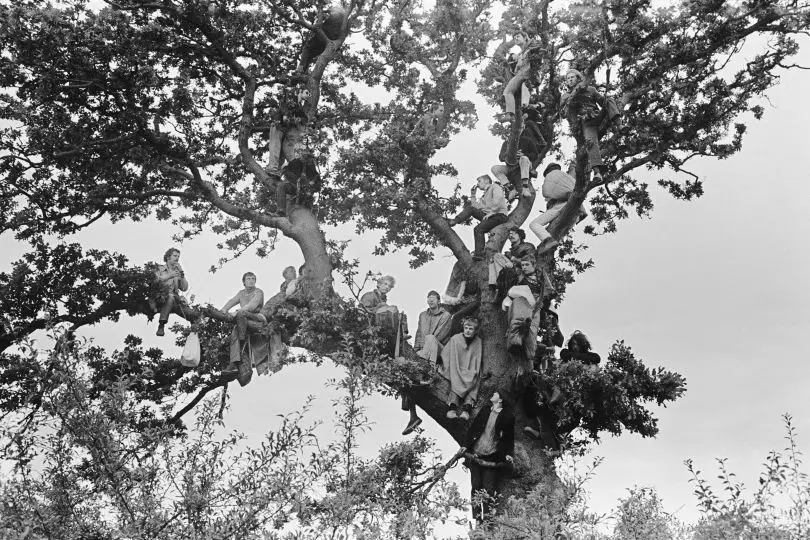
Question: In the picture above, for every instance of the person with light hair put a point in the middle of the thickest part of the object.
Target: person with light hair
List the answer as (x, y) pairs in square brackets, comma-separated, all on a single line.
[(586, 110)]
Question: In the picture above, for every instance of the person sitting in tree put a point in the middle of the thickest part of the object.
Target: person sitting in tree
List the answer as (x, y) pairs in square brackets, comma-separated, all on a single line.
[(490, 210), (299, 183), (250, 301), (489, 448), (525, 303), (461, 366), (462, 297), (586, 111), (172, 280), (557, 188), (505, 268), (387, 317), (579, 348), (432, 333), (530, 147)]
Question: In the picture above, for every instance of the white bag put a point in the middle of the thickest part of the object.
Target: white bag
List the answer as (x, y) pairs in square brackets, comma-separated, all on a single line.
[(191, 351)]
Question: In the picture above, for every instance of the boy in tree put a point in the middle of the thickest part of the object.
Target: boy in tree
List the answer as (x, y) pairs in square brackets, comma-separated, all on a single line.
[(173, 279), (490, 210), (461, 365), (432, 333), (250, 301)]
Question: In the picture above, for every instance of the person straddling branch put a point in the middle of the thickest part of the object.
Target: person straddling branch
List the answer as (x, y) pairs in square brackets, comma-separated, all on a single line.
[(586, 111), (489, 448), (557, 188), (394, 323), (250, 301), (490, 210), (530, 148), (172, 280), (525, 302), (461, 366), (432, 333)]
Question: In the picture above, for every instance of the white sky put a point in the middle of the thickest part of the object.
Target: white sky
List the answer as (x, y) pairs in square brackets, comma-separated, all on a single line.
[(715, 289)]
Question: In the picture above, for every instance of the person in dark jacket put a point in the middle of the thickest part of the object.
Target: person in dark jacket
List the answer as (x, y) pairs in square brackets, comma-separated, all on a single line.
[(531, 147), (586, 111), (579, 348), (489, 448)]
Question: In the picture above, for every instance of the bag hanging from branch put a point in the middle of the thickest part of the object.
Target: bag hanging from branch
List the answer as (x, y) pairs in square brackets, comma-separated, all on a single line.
[(191, 351)]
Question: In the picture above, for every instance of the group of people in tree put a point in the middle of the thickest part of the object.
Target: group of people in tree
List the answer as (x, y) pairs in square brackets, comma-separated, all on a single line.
[(447, 341), (248, 348), (446, 338)]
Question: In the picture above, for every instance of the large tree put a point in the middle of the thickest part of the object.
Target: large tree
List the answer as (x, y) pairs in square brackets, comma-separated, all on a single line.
[(129, 109)]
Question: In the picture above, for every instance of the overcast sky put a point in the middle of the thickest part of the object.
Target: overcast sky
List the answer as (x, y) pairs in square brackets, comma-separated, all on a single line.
[(715, 289)]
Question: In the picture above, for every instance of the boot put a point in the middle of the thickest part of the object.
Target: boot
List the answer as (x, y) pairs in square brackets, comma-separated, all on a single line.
[(161, 331)]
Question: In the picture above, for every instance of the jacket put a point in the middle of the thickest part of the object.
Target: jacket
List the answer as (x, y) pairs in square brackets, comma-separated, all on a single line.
[(493, 201), (504, 431)]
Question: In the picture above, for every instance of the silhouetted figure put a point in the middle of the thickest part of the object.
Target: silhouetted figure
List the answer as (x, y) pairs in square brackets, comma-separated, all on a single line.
[(489, 448)]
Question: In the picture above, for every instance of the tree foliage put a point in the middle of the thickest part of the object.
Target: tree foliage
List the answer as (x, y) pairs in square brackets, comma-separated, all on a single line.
[(139, 109)]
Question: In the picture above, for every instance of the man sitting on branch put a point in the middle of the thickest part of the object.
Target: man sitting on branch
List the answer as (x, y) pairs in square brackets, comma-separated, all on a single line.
[(490, 210), (432, 333), (172, 280), (250, 301)]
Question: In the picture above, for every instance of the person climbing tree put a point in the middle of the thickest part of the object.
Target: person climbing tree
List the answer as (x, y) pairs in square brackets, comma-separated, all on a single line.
[(432, 333), (328, 29), (461, 365), (299, 184), (557, 188), (586, 111), (531, 146), (520, 65), (488, 448), (285, 136), (525, 301), (490, 210), (250, 301), (173, 280)]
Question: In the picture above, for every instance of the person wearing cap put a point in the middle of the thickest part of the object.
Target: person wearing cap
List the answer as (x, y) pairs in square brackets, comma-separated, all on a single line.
[(490, 210)]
